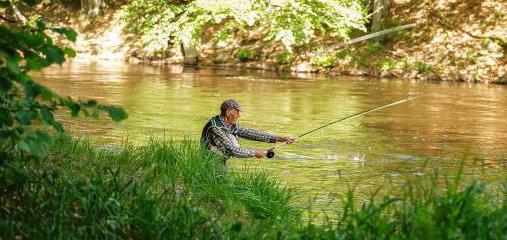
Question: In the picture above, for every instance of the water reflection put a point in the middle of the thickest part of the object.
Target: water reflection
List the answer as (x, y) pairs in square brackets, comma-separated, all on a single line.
[(446, 122)]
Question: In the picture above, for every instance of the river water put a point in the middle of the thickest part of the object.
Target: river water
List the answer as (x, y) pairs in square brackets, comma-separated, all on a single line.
[(449, 125)]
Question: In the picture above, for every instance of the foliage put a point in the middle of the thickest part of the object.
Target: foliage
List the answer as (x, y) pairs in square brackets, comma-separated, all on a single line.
[(422, 67), (161, 190), (244, 55), (325, 61), (374, 47), (178, 190), (386, 65), (292, 23), (284, 58), (24, 103)]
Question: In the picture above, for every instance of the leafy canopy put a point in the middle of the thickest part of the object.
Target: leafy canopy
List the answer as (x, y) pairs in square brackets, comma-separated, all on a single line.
[(26, 105), (292, 23)]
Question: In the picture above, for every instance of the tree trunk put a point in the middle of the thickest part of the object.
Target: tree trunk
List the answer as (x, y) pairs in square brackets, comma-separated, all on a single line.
[(379, 9), (91, 7)]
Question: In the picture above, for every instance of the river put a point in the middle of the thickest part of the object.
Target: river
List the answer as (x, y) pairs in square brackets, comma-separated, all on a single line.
[(449, 125)]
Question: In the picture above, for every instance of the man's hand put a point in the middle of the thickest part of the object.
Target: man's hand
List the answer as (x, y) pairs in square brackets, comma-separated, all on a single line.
[(287, 140), (260, 153)]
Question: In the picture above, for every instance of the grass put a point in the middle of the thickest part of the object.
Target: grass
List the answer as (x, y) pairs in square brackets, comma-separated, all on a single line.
[(177, 190)]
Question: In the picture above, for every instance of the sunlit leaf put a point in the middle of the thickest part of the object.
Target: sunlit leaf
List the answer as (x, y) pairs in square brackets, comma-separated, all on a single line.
[(69, 52), (34, 63)]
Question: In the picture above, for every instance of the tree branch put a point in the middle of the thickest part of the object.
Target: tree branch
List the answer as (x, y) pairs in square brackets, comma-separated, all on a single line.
[(7, 20), (18, 13)]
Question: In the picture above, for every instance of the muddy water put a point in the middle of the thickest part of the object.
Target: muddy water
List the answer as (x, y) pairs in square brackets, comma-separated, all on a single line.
[(449, 122)]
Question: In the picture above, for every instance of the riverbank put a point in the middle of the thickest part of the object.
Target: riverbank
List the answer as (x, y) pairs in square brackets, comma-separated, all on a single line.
[(176, 190), (452, 41)]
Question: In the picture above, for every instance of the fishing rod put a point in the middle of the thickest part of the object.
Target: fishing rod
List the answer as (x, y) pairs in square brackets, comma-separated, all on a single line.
[(373, 35), (271, 151)]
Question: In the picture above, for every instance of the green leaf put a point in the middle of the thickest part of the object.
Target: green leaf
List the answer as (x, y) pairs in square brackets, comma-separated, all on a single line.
[(5, 118), (41, 26), (13, 65), (23, 145), (44, 137), (69, 52), (34, 63), (91, 103), (115, 113), (74, 108), (95, 113), (37, 148), (54, 55), (58, 126), (69, 33), (47, 116), (25, 117), (47, 94)]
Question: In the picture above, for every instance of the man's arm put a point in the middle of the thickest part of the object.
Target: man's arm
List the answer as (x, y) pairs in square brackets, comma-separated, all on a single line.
[(256, 135), (224, 143)]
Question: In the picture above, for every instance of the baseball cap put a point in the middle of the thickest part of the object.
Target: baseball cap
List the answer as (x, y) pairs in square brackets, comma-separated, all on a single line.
[(230, 104)]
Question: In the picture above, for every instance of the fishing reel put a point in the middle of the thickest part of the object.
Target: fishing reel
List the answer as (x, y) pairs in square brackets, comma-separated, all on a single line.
[(271, 153)]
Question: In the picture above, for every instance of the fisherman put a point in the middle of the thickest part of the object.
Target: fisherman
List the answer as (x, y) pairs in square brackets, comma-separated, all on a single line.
[(220, 134)]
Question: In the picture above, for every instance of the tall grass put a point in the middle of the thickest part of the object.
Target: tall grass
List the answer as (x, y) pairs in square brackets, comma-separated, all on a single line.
[(176, 190)]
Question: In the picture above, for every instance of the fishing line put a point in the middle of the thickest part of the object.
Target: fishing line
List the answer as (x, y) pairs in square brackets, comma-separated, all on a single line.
[(271, 151)]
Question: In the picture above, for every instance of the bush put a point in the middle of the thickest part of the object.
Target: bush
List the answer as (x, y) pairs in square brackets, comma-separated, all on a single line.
[(422, 67), (244, 55), (284, 58), (178, 190), (289, 23), (25, 104), (324, 61)]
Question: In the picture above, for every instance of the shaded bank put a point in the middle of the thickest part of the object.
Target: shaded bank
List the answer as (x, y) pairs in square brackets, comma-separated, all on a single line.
[(453, 41), (176, 190)]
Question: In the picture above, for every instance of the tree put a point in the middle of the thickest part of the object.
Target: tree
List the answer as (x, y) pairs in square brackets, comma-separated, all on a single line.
[(26, 105)]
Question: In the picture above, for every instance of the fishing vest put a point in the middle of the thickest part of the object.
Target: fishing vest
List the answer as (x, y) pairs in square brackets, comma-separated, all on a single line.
[(207, 141)]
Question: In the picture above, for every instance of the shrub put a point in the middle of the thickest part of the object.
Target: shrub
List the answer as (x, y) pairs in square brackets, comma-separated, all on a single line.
[(284, 58), (422, 67), (244, 55)]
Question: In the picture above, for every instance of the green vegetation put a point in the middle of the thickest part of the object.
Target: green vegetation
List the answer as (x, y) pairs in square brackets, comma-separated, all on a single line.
[(284, 58), (244, 55), (178, 190), (422, 67), (26, 46), (59, 187), (290, 23)]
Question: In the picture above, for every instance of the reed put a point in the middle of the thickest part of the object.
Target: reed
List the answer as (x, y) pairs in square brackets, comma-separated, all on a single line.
[(177, 190)]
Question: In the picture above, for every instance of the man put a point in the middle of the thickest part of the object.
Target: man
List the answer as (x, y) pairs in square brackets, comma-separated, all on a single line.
[(220, 134)]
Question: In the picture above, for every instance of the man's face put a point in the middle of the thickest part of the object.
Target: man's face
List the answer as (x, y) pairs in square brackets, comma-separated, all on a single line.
[(233, 115)]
